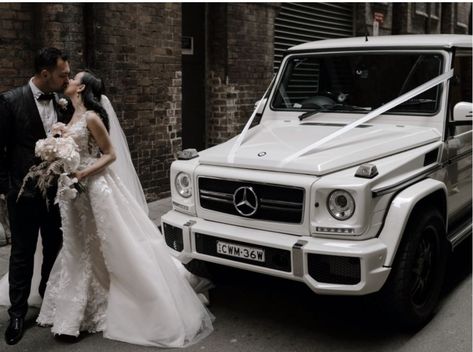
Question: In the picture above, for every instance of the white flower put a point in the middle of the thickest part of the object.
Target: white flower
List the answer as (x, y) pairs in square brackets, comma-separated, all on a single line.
[(46, 148), (67, 150), (63, 103), (60, 157), (58, 129), (66, 189)]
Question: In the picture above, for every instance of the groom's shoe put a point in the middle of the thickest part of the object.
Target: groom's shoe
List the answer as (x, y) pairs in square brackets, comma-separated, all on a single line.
[(14, 331)]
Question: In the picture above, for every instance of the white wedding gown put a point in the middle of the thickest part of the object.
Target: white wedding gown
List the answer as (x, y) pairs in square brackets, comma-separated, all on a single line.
[(114, 272)]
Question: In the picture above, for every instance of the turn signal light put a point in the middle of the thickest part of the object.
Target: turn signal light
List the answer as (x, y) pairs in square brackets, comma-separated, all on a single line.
[(335, 230)]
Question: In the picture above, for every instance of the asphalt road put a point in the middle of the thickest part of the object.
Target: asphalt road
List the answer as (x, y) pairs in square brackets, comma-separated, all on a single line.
[(262, 314)]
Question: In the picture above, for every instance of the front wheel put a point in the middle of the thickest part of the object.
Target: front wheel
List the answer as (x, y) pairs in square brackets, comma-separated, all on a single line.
[(415, 283)]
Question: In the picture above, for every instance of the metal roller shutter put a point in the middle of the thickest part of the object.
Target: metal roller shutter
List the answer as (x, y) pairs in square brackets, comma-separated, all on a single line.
[(299, 23)]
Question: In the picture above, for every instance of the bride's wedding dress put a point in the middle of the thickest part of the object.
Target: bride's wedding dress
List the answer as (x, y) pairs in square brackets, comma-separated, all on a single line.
[(114, 273), (123, 167)]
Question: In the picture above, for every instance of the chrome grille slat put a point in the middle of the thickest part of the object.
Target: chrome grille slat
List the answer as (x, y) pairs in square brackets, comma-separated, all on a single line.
[(279, 208), (281, 203), (217, 194), (216, 199)]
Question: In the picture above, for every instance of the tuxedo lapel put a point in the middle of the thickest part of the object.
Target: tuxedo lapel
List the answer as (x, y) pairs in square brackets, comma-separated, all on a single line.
[(62, 113), (37, 128)]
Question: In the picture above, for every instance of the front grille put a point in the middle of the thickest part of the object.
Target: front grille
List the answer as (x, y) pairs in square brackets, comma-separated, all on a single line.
[(334, 269), (275, 258), (275, 203)]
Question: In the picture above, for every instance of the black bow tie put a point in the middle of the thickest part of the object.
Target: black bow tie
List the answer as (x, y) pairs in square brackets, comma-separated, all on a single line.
[(48, 96)]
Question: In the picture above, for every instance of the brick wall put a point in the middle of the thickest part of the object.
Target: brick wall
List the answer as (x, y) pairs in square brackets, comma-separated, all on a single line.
[(414, 18), (456, 18), (61, 25), (365, 18), (137, 50), (16, 44), (240, 64), (24, 28)]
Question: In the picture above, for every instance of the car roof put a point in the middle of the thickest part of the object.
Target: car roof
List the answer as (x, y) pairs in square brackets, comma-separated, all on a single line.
[(443, 41)]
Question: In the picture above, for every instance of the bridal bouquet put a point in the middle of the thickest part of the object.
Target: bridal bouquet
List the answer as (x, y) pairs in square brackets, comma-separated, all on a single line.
[(60, 157)]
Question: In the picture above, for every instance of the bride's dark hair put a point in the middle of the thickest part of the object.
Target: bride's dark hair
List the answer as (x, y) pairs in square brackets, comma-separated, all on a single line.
[(94, 88)]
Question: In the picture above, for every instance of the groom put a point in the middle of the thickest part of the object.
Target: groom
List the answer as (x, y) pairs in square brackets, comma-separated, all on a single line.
[(27, 114)]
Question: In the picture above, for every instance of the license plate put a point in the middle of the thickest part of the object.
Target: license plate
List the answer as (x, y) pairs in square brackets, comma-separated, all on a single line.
[(239, 251)]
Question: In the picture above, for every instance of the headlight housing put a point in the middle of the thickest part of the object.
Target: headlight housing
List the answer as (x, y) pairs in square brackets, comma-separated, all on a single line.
[(183, 184), (341, 204)]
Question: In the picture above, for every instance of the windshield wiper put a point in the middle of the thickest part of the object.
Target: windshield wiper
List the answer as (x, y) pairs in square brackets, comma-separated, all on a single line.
[(334, 107), (317, 109)]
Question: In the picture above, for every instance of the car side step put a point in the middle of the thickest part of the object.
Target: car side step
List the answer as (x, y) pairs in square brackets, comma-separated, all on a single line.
[(460, 233)]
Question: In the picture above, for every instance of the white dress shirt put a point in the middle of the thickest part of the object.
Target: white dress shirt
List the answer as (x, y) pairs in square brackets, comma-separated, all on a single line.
[(45, 108)]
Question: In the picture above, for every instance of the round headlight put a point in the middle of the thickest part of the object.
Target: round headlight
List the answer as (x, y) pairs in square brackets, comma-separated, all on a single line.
[(183, 184), (341, 205)]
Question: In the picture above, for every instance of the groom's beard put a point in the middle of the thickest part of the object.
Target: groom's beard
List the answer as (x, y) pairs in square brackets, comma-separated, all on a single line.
[(57, 88), (62, 89)]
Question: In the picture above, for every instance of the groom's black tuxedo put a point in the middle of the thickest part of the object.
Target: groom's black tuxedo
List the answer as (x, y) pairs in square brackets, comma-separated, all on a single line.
[(20, 127)]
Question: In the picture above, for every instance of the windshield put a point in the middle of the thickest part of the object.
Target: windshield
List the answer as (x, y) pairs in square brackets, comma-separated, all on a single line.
[(358, 82)]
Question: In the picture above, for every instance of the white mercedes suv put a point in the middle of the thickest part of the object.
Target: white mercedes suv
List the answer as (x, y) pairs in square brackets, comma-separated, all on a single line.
[(353, 174)]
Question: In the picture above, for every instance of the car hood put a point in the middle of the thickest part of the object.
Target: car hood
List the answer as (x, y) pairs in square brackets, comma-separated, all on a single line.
[(270, 145)]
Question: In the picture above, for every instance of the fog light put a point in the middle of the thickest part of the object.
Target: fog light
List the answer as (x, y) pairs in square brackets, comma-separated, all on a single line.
[(173, 237), (334, 269)]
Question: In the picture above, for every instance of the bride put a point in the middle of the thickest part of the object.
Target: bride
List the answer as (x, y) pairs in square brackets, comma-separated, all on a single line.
[(114, 272)]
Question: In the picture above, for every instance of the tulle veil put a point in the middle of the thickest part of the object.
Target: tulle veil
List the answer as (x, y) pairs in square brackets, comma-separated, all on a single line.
[(123, 165)]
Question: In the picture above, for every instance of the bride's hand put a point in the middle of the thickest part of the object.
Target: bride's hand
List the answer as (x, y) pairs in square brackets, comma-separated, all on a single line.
[(80, 175)]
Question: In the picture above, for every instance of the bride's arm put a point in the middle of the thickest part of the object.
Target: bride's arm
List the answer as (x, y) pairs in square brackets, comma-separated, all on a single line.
[(100, 134)]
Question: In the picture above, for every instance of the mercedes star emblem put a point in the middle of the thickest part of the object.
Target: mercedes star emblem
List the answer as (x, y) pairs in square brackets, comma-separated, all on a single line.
[(245, 201)]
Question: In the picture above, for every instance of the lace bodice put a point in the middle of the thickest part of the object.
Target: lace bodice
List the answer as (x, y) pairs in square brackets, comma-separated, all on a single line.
[(88, 149)]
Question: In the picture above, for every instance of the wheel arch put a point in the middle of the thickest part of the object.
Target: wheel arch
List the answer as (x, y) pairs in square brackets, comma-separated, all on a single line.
[(422, 194)]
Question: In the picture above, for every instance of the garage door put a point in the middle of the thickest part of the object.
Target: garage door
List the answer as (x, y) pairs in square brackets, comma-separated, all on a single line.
[(299, 23)]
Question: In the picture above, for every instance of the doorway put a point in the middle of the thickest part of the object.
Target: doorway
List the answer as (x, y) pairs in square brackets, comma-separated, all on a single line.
[(193, 75)]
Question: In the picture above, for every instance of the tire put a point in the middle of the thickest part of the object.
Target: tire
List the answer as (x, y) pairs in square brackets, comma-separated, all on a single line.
[(413, 289)]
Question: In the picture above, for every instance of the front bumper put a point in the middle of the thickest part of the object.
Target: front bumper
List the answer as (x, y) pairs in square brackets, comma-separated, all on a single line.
[(327, 266)]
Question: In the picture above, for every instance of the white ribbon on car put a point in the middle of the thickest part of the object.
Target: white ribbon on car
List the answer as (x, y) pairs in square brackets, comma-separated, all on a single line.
[(236, 145), (375, 113)]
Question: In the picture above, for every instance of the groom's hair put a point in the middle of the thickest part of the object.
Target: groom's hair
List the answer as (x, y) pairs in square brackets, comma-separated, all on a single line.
[(46, 58)]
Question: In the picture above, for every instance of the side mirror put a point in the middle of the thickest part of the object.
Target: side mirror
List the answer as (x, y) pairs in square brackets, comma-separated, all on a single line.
[(261, 106), (462, 112)]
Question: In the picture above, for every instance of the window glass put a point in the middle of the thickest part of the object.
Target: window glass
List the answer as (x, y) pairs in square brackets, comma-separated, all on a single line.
[(461, 83), (358, 82)]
